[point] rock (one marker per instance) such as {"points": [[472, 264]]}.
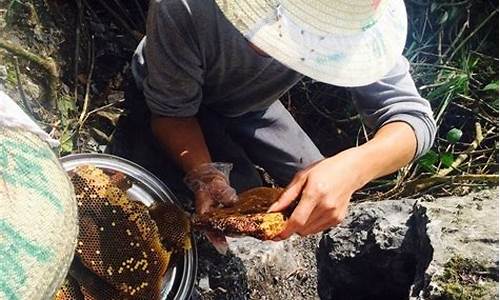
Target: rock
{"points": [[3, 73], [401, 249], [375, 254], [465, 242], [204, 284], [430, 248]]}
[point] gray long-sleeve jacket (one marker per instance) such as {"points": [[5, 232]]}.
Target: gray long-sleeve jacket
{"points": [[193, 56]]}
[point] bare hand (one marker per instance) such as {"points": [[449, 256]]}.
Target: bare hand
{"points": [[324, 189]]}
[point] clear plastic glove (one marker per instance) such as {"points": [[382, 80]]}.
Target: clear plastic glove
{"points": [[210, 184]]}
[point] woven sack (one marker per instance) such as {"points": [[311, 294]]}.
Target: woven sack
{"points": [[38, 217]]}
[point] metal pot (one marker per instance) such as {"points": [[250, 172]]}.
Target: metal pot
{"points": [[146, 188]]}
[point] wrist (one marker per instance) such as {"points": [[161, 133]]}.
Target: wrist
{"points": [[210, 184], [204, 175], [392, 148], [361, 165]]}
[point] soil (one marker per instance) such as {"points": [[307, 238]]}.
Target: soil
{"points": [[258, 270]]}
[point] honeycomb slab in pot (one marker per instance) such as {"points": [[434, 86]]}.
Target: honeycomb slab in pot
{"points": [[121, 249]]}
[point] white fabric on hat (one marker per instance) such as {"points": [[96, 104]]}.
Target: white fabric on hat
{"points": [[338, 51], [11, 115]]}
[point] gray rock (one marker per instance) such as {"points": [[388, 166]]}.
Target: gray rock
{"points": [[376, 253], [465, 228], [400, 249], [204, 284], [397, 249], [3, 73], [279, 270]]}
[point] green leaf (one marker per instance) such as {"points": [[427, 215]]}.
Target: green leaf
{"points": [[67, 108], [444, 18], [428, 161], [454, 135], [492, 86], [447, 159], [66, 141]]}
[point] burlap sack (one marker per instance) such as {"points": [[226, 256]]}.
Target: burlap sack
{"points": [[38, 217]]}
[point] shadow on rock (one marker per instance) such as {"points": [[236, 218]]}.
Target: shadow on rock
{"points": [[380, 252], [219, 276]]}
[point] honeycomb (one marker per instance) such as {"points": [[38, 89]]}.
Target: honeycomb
{"points": [[247, 217], [121, 242], [82, 284], [69, 290]]}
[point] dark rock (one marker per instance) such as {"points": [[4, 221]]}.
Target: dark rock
{"points": [[378, 253], [395, 249], [220, 276], [409, 249]]}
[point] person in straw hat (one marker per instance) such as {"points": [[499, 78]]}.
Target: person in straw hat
{"points": [[211, 71]]}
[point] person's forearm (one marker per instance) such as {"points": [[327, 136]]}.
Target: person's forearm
{"points": [[392, 147], [325, 188], [183, 140]]}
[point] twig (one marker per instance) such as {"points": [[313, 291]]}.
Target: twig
{"points": [[476, 30], [120, 21], [403, 174], [348, 120], [77, 46], [485, 56], [20, 87], [47, 64], [422, 64], [459, 35], [462, 157], [319, 111], [316, 108], [415, 186], [379, 186], [87, 85], [141, 12], [443, 107], [431, 86], [124, 12], [471, 111], [419, 185], [99, 109], [488, 162]]}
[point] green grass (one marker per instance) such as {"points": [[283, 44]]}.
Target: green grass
{"points": [[453, 49], [461, 280]]}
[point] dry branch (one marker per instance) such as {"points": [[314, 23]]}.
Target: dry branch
{"points": [[47, 64], [420, 185], [416, 186], [121, 22], [20, 87], [463, 156], [87, 86]]}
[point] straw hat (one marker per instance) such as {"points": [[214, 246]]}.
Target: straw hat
{"points": [[341, 42]]}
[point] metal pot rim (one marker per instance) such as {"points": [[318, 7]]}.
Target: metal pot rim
{"points": [[153, 184]]}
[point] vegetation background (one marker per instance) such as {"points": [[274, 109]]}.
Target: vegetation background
{"points": [[66, 63]]}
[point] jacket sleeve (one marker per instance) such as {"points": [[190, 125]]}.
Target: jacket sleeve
{"points": [[395, 98]]}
